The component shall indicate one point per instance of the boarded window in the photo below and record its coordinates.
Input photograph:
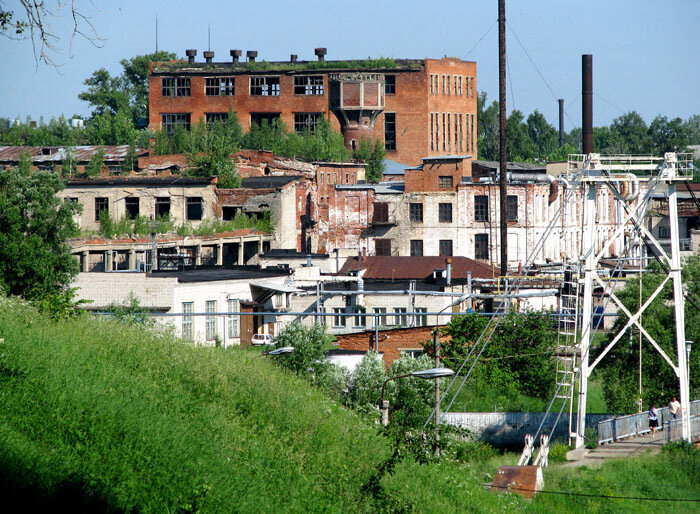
(382, 247)
(381, 212)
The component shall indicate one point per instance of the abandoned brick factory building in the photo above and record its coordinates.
(418, 107)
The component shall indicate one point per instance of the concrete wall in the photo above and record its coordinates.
(510, 428)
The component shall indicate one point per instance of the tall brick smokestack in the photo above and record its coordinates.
(587, 104)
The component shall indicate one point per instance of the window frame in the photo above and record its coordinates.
(415, 212)
(129, 210)
(445, 181)
(101, 204)
(416, 247)
(187, 321)
(309, 85)
(446, 244)
(233, 320)
(481, 208)
(390, 131)
(213, 117)
(306, 122)
(339, 321)
(400, 316)
(193, 202)
(445, 208)
(220, 86)
(481, 247)
(264, 85)
(211, 329)
(389, 84)
(382, 243)
(512, 208)
(160, 202)
(171, 120)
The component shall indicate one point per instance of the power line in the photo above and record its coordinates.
(481, 38)
(609, 103)
(586, 495)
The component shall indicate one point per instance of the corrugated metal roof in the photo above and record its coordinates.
(81, 153)
(394, 186)
(140, 180)
(511, 166)
(393, 167)
(418, 268)
(268, 182)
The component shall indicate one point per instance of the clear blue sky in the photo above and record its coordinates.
(645, 52)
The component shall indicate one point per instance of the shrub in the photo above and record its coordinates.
(558, 451)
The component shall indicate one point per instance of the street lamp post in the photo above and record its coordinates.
(426, 374)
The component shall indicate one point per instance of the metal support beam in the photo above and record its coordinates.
(586, 318)
(679, 303)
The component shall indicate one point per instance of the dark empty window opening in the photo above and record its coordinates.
(390, 131)
(308, 85)
(175, 86)
(481, 246)
(390, 84)
(445, 181)
(306, 122)
(446, 247)
(512, 204)
(131, 204)
(382, 247)
(416, 248)
(229, 212)
(220, 86)
(416, 212)
(264, 86)
(162, 206)
(445, 212)
(194, 208)
(101, 204)
(214, 117)
(264, 117)
(481, 208)
(174, 120)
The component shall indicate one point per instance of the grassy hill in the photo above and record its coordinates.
(98, 416)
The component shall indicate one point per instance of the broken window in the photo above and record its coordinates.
(416, 248)
(308, 85)
(306, 122)
(220, 86)
(162, 206)
(382, 247)
(512, 203)
(214, 117)
(194, 208)
(131, 204)
(101, 204)
(481, 208)
(415, 212)
(173, 120)
(481, 246)
(445, 181)
(264, 86)
(390, 84)
(390, 131)
(445, 212)
(175, 86)
(259, 118)
(446, 247)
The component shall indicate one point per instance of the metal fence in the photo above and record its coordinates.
(631, 425)
(673, 429)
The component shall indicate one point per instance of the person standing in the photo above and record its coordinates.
(653, 420)
(674, 408)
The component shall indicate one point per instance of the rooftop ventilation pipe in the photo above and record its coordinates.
(190, 55)
(561, 122)
(448, 278)
(235, 55)
(293, 57)
(208, 56)
(251, 55)
(321, 54)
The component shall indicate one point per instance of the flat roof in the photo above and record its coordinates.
(139, 180)
(262, 67)
(269, 181)
(219, 274)
(391, 187)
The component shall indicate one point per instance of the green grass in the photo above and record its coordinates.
(101, 416)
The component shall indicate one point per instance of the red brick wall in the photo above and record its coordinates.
(391, 342)
(427, 178)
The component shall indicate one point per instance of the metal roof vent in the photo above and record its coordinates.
(293, 57)
(235, 54)
(208, 55)
(321, 53)
(251, 54)
(190, 55)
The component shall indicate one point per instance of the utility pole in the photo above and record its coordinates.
(436, 345)
(502, 132)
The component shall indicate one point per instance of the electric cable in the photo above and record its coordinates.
(481, 38)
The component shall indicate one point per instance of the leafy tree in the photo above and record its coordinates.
(373, 155)
(310, 344)
(135, 78)
(631, 131)
(412, 399)
(488, 126)
(96, 163)
(105, 93)
(519, 145)
(620, 367)
(543, 135)
(366, 382)
(669, 136)
(35, 259)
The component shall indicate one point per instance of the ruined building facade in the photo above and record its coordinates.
(418, 107)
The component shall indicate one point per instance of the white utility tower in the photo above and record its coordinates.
(633, 181)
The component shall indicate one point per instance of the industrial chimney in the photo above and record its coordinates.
(587, 111)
